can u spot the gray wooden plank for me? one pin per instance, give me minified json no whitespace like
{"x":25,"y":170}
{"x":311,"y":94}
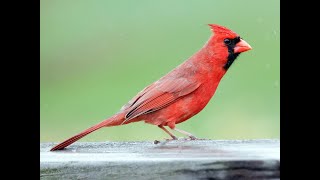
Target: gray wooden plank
{"x":182,"y":159}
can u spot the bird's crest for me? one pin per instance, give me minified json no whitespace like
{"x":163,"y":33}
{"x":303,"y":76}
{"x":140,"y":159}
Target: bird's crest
{"x":217,"y":29}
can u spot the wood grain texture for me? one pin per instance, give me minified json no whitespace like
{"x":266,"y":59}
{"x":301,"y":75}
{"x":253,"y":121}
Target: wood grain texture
{"x":182,"y":159}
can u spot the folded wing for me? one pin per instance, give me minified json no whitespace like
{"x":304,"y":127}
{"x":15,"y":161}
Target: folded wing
{"x":159,"y":95}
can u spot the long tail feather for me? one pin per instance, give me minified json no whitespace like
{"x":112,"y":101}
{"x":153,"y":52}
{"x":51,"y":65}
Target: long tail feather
{"x":112,"y":121}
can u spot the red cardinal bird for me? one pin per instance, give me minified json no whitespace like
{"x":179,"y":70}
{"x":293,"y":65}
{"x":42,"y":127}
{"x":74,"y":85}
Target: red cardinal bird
{"x":183,"y":92}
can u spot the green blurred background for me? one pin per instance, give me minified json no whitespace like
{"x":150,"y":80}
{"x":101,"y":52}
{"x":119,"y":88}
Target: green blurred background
{"x":97,"y":54}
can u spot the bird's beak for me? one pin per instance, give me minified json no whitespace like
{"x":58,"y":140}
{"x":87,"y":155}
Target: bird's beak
{"x":242,"y":46}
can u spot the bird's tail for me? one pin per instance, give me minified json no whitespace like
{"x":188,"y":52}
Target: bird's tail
{"x":112,"y":121}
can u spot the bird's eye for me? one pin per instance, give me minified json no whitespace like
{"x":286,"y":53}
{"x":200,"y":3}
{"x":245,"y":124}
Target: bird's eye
{"x":227,"y":41}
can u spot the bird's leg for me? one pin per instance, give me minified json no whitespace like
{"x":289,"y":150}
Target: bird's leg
{"x":192,"y":137}
{"x":173,"y":136}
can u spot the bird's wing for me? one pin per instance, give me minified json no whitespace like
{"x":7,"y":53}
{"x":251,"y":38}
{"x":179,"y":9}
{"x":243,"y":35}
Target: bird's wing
{"x":136,"y":98}
{"x":159,"y":95}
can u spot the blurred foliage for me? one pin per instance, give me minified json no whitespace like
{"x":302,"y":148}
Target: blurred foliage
{"x":96,"y":55}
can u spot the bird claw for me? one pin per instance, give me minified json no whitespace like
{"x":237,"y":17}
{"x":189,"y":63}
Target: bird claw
{"x":173,"y":139}
{"x":190,"y":138}
{"x":156,"y":142}
{"x":166,"y":140}
{"x":195,"y":138}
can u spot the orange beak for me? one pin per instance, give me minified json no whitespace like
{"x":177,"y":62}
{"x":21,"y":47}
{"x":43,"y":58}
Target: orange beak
{"x":242,"y":46}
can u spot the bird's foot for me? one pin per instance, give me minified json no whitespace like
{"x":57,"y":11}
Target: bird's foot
{"x":195,"y":138}
{"x":174,"y":138}
{"x":156,"y":142}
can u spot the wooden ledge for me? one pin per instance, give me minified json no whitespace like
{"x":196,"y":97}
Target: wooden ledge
{"x":182,"y":159}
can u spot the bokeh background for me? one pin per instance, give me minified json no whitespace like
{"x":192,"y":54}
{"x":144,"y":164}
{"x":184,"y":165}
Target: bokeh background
{"x":96,"y":55}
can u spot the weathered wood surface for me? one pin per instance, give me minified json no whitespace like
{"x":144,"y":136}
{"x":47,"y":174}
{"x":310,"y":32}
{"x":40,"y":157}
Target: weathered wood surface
{"x":183,"y":159}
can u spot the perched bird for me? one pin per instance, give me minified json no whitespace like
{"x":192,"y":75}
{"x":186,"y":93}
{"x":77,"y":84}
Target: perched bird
{"x":183,"y":92}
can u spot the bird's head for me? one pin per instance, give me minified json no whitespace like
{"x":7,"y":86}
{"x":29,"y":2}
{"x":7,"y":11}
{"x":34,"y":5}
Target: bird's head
{"x":227,"y":44}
